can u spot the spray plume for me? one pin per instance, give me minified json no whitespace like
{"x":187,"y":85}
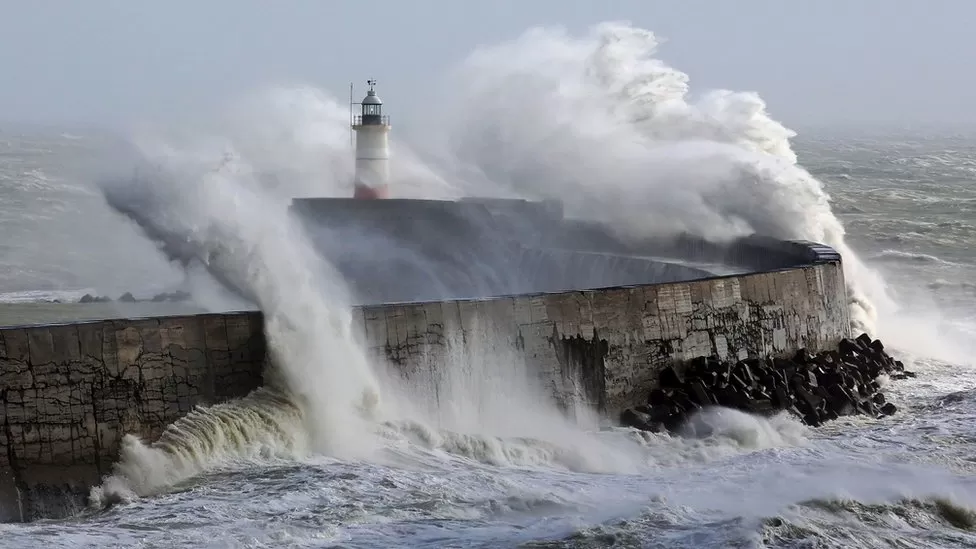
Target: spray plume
{"x":205,"y":204}
{"x":599,"y":123}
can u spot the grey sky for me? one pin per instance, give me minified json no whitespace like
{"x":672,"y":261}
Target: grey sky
{"x":826,"y":61}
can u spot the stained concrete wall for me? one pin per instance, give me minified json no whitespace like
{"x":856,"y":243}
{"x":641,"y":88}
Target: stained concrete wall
{"x":70,"y":392}
{"x":606,"y":347}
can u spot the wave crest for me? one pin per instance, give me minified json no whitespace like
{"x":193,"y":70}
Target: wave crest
{"x":598,"y":122}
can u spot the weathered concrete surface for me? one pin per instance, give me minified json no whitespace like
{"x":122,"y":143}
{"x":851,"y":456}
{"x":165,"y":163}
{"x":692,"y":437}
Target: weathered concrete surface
{"x":70,"y":392}
{"x":607,"y":346}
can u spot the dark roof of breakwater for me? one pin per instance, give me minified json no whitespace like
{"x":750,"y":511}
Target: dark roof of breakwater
{"x":536,"y":224}
{"x":819,"y":254}
{"x":406,"y":250}
{"x":540,"y":242}
{"x":815,"y":254}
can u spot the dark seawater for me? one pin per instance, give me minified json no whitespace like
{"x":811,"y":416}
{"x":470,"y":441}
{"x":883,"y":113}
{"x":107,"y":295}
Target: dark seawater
{"x":909,"y":207}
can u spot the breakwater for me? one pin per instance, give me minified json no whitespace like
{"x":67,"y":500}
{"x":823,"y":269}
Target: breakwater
{"x":70,"y":392}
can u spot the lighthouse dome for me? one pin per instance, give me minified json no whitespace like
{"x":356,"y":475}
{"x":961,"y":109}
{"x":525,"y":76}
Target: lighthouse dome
{"x":372,"y":99}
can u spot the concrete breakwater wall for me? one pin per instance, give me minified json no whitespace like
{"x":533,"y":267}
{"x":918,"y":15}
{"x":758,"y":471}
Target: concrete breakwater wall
{"x":70,"y":392}
{"x":606,"y":347}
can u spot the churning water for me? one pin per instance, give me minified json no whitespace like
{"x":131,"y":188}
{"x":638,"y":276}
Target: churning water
{"x":338,"y":453}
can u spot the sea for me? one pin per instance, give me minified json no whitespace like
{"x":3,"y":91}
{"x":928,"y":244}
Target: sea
{"x":495,"y":470}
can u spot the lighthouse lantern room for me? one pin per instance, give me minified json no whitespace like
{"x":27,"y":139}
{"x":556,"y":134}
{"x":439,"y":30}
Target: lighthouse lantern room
{"x":372,"y":129}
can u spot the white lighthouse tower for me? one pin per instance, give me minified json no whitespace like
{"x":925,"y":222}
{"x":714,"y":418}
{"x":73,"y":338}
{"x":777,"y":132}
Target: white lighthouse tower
{"x":372,"y":147}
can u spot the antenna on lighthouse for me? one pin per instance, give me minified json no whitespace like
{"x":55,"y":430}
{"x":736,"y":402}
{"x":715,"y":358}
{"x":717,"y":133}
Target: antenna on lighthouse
{"x":372,"y":129}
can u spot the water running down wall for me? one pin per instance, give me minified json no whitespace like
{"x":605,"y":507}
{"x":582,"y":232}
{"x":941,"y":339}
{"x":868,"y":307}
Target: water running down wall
{"x":70,"y":392}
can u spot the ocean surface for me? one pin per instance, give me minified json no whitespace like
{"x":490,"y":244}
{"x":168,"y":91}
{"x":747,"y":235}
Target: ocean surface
{"x":908,"y":204}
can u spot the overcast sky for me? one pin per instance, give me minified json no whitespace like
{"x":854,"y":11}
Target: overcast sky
{"x":826,"y":61}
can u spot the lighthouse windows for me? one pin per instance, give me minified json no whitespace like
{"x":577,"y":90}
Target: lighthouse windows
{"x":372,"y":113}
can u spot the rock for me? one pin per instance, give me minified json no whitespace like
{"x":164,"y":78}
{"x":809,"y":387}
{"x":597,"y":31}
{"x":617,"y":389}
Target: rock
{"x":812,"y":419}
{"x":701,"y":395}
{"x":638,"y":420}
{"x":684,"y":403}
{"x":170,"y":296}
{"x":811,"y":380}
{"x":781,"y":398}
{"x":808,"y":399}
{"x":88,"y":298}
{"x":743,"y":371}
{"x":814,"y":388}
{"x":657,"y":413}
{"x":841,"y":401}
{"x":659,"y":397}
{"x":843,"y":406}
{"x":847,"y":347}
{"x":127,"y":298}
{"x":802,"y":356}
{"x":670,"y":379}
{"x":674,"y":422}
{"x":698,"y":366}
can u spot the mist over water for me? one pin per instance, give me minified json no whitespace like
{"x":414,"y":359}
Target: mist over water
{"x":592,"y":120}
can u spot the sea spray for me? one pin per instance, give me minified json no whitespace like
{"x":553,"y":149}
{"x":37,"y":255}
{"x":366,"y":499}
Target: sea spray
{"x":598,"y":122}
{"x":266,"y":424}
{"x":476,"y":396}
{"x":221,"y":217}
{"x":484,"y":400}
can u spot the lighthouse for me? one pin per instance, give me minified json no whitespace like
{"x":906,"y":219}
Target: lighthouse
{"x":372,"y":129}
